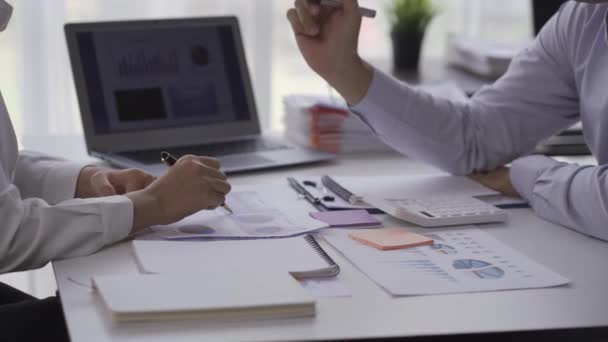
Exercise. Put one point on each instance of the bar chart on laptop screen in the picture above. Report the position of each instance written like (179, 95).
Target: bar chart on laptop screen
(142, 61)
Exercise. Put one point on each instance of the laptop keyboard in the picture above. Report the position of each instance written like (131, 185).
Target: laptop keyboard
(212, 150)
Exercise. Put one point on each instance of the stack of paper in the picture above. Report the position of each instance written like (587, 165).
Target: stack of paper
(326, 125)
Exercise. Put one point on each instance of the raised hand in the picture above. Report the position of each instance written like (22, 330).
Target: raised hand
(328, 38)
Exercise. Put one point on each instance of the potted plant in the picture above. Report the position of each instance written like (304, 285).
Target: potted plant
(410, 19)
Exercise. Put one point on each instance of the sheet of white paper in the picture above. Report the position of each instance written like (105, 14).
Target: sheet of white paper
(272, 212)
(423, 186)
(326, 288)
(460, 261)
(289, 255)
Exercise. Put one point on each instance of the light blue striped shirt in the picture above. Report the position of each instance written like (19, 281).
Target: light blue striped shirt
(562, 78)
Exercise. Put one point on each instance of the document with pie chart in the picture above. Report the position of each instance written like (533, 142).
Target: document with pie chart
(274, 212)
(460, 260)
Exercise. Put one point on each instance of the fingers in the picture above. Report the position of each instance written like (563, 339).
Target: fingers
(213, 198)
(137, 180)
(212, 173)
(351, 6)
(307, 18)
(215, 202)
(204, 166)
(296, 25)
(207, 161)
(102, 185)
(314, 6)
(210, 162)
(127, 181)
(203, 178)
(221, 187)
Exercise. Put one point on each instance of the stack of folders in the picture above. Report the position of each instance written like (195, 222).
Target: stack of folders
(327, 125)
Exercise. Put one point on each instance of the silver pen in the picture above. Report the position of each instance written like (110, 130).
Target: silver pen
(339, 190)
(366, 12)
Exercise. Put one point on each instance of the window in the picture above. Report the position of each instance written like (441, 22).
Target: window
(36, 77)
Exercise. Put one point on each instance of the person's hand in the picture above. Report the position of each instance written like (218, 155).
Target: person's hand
(101, 182)
(499, 180)
(328, 38)
(191, 185)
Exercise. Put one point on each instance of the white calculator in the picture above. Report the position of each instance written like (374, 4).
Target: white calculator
(441, 211)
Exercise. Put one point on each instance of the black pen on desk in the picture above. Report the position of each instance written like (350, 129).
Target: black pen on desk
(303, 192)
(170, 160)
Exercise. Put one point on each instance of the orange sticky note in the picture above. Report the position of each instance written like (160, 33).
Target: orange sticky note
(391, 238)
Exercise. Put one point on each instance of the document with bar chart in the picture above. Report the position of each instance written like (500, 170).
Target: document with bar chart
(460, 260)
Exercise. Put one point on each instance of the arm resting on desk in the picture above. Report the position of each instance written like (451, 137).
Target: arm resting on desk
(49, 178)
(34, 233)
(567, 194)
(537, 98)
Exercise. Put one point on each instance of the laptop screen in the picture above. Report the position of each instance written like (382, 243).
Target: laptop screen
(140, 79)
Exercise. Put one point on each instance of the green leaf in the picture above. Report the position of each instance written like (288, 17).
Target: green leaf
(412, 15)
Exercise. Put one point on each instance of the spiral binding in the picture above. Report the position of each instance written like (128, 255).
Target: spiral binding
(315, 245)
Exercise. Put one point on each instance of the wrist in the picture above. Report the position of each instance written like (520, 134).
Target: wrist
(352, 79)
(84, 186)
(147, 209)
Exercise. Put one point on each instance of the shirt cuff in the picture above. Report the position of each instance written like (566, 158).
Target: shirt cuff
(381, 91)
(60, 182)
(525, 171)
(118, 212)
(385, 97)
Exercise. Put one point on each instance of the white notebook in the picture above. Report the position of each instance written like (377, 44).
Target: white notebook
(206, 296)
(300, 256)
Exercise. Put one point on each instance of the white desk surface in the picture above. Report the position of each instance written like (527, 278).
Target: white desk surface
(371, 312)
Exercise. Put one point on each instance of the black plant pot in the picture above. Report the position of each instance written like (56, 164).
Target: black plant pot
(407, 47)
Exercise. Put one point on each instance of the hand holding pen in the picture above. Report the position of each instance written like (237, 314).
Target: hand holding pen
(211, 182)
(327, 33)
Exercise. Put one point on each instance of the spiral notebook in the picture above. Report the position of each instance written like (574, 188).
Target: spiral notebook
(302, 257)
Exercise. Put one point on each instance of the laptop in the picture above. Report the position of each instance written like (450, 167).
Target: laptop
(180, 86)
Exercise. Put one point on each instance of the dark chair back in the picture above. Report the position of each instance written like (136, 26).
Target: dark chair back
(543, 11)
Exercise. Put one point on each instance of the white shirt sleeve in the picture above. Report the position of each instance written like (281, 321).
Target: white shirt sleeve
(534, 100)
(567, 194)
(49, 178)
(34, 232)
